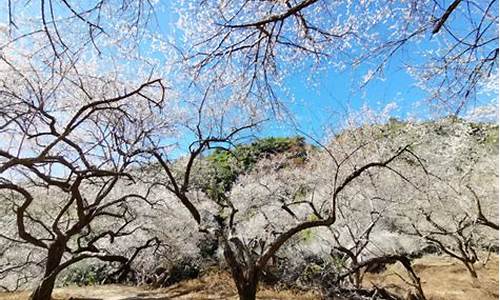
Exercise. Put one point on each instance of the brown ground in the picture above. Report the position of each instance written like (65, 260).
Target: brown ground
(442, 278)
(212, 286)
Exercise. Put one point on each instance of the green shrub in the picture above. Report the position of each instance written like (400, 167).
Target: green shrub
(226, 166)
(307, 235)
(491, 138)
(181, 270)
(85, 274)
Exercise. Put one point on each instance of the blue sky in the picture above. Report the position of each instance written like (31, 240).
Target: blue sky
(336, 93)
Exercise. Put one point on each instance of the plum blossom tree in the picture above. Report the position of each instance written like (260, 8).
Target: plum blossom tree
(454, 43)
(453, 205)
(79, 128)
(79, 165)
(451, 177)
(70, 27)
(455, 224)
(70, 133)
(364, 237)
(275, 202)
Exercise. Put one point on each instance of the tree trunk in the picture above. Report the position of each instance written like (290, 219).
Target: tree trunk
(247, 288)
(471, 269)
(44, 289)
(243, 269)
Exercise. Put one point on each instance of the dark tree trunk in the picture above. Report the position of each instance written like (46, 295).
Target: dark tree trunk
(44, 289)
(471, 269)
(243, 269)
(247, 287)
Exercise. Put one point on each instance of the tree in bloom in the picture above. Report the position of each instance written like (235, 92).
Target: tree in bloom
(268, 208)
(449, 47)
(457, 196)
(71, 127)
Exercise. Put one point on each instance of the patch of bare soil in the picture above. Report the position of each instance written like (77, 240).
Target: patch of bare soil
(442, 278)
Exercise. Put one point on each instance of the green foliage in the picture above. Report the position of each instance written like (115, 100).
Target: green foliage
(181, 270)
(312, 270)
(312, 217)
(391, 129)
(485, 134)
(208, 246)
(394, 125)
(85, 275)
(337, 262)
(492, 136)
(301, 193)
(226, 166)
(307, 235)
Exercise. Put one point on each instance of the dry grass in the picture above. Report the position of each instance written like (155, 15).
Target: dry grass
(442, 278)
(219, 285)
(216, 285)
(85, 292)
